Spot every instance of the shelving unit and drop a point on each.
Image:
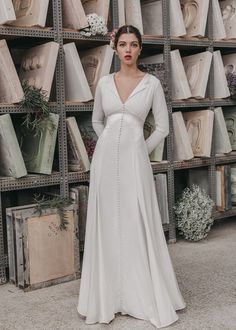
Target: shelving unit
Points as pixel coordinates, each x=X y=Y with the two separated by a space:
x=163 y=44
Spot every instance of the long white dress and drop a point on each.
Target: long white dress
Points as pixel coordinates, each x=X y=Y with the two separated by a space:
x=126 y=263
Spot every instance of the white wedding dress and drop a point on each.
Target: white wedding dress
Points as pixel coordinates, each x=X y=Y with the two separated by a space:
x=126 y=263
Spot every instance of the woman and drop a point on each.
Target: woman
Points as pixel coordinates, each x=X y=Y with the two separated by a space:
x=126 y=263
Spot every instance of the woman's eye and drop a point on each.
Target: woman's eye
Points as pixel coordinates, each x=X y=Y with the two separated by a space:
x=135 y=45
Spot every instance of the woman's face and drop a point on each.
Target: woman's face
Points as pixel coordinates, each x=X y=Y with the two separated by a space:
x=128 y=48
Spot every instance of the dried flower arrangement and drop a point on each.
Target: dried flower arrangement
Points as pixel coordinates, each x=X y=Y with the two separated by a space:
x=231 y=79
x=97 y=25
x=194 y=213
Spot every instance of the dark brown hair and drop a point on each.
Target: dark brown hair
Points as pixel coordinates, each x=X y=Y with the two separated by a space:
x=128 y=29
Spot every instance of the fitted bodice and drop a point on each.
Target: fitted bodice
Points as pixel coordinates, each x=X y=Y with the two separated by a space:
x=148 y=94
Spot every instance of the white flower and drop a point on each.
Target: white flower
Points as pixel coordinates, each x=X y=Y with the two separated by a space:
x=97 y=25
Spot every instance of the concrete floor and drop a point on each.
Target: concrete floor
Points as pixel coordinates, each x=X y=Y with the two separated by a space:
x=206 y=272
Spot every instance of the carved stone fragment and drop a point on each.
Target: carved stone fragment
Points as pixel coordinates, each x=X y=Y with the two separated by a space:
x=197 y=68
x=199 y=125
x=11 y=160
x=38 y=150
x=10 y=86
x=221 y=88
x=101 y=8
x=179 y=82
x=96 y=63
x=218 y=23
x=182 y=149
x=73 y=15
x=230 y=119
x=220 y=135
x=133 y=14
x=7 y=13
x=228 y=10
x=195 y=16
x=152 y=26
x=30 y=12
x=38 y=66
x=76 y=84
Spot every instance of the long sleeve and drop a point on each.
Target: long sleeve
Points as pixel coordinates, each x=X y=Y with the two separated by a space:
x=160 y=113
x=98 y=113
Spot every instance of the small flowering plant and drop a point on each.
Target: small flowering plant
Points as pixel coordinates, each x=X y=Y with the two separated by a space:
x=231 y=79
x=97 y=25
x=194 y=213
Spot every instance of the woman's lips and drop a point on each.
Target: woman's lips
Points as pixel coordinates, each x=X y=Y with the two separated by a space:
x=127 y=57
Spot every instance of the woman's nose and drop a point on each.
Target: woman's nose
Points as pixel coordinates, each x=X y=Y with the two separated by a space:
x=128 y=48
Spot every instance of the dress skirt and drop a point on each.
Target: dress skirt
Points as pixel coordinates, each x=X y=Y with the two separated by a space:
x=126 y=262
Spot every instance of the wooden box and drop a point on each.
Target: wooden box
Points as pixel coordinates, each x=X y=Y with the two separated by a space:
x=40 y=254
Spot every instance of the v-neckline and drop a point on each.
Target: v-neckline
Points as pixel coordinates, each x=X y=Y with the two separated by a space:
x=116 y=89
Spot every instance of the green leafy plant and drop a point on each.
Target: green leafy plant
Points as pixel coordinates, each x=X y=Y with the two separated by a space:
x=35 y=101
x=194 y=213
x=57 y=202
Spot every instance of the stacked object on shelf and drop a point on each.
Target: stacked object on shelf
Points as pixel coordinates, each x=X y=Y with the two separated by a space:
x=197 y=68
x=223 y=187
x=40 y=253
x=153 y=26
x=38 y=66
x=76 y=85
x=73 y=15
x=221 y=139
x=10 y=86
x=182 y=149
x=199 y=125
x=179 y=82
x=133 y=14
x=30 y=13
x=7 y=12
x=96 y=63
x=78 y=157
x=221 y=89
x=79 y=196
x=195 y=16
x=233 y=184
x=218 y=23
x=101 y=8
x=229 y=18
x=11 y=160
x=230 y=119
x=38 y=149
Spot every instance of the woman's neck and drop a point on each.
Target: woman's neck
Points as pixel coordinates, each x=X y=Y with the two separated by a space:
x=128 y=71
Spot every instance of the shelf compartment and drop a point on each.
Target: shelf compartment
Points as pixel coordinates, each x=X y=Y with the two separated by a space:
x=14 y=108
x=160 y=166
x=155 y=40
x=226 y=214
x=27 y=32
x=76 y=177
x=78 y=106
x=29 y=181
x=227 y=158
x=75 y=35
x=195 y=162
x=190 y=41
x=191 y=103
x=230 y=43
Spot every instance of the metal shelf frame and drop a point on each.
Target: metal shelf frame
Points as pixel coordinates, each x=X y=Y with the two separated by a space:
x=63 y=178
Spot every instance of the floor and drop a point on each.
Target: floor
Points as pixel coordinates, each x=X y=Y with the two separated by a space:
x=206 y=272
